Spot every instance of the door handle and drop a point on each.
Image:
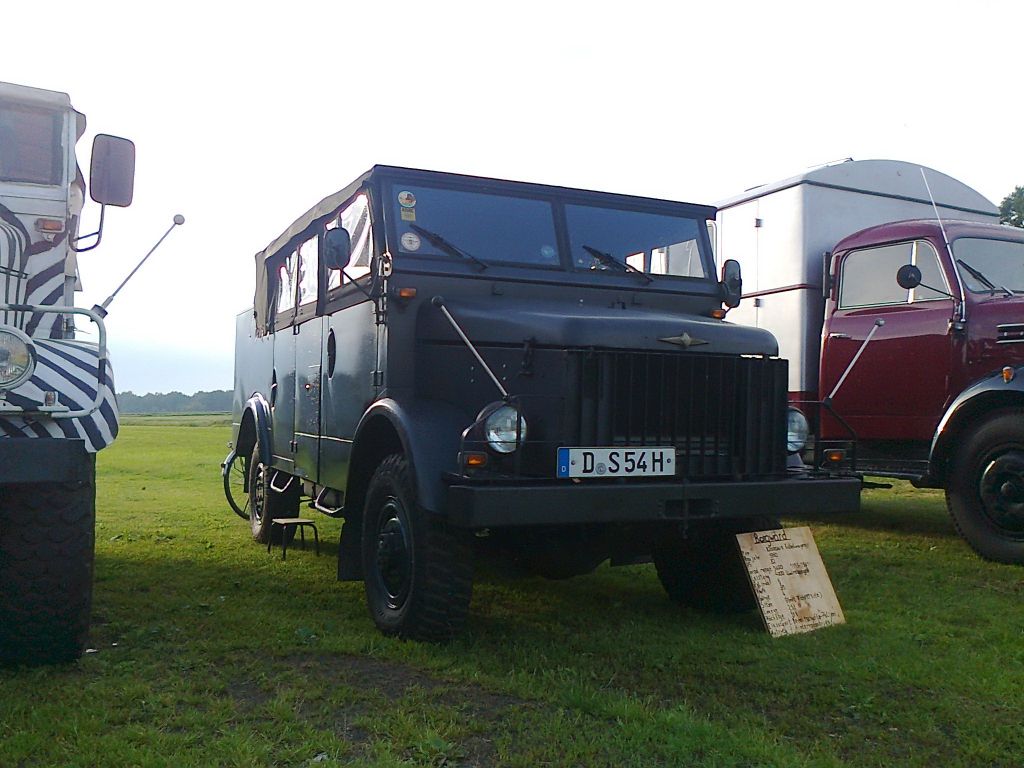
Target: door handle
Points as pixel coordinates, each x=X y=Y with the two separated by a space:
x=839 y=335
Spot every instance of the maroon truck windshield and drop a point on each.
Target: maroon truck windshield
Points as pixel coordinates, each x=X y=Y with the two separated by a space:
x=30 y=145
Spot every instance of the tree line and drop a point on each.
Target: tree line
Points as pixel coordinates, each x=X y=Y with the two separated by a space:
x=216 y=401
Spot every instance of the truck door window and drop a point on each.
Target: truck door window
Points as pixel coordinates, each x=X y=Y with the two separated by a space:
x=307 y=271
x=869 y=275
x=30 y=146
x=286 y=274
x=659 y=244
x=355 y=218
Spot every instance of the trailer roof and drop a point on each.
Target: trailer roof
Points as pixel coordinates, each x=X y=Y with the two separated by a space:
x=885 y=178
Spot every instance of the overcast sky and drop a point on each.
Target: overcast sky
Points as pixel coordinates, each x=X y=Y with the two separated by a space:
x=246 y=114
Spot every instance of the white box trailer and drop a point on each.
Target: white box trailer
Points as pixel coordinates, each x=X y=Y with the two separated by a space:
x=780 y=232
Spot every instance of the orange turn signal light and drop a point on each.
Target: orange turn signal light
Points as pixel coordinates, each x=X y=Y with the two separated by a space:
x=53 y=226
x=1008 y=374
x=407 y=293
x=835 y=455
x=475 y=459
x=718 y=314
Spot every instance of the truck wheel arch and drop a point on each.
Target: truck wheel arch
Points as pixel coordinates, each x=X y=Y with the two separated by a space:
x=426 y=432
x=967 y=410
x=255 y=429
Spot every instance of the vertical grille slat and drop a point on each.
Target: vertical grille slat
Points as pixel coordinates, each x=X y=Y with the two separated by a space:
x=724 y=414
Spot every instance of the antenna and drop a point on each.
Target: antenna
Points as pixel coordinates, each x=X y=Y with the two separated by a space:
x=938 y=218
x=949 y=248
x=101 y=309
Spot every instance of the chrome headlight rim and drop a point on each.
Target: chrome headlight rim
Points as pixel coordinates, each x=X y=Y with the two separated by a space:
x=797 y=430
x=503 y=438
x=30 y=352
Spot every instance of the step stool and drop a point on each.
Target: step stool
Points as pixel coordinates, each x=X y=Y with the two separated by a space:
x=294 y=522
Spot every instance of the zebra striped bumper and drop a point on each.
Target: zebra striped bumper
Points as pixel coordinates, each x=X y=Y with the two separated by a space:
x=70 y=395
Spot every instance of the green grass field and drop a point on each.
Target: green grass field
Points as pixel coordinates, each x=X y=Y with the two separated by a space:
x=208 y=651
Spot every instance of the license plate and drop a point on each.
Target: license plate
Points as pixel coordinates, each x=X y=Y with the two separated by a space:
x=616 y=462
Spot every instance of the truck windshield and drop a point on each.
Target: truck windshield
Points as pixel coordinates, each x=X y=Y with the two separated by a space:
x=654 y=243
x=494 y=229
x=999 y=262
x=30 y=145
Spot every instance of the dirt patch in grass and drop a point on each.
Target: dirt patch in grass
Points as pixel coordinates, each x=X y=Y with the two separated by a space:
x=345 y=695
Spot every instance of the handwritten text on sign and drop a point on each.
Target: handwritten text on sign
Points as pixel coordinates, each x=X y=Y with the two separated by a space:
x=793 y=589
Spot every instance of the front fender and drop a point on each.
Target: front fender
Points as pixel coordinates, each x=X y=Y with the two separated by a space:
x=255 y=429
x=429 y=432
x=984 y=396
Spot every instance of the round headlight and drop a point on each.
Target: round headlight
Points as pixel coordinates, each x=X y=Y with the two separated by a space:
x=500 y=428
x=17 y=359
x=796 y=431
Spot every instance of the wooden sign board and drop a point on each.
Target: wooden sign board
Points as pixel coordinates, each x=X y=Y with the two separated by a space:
x=789 y=579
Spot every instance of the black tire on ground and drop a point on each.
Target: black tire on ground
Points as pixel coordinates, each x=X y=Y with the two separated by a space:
x=704 y=569
x=418 y=572
x=985 y=487
x=266 y=504
x=47 y=544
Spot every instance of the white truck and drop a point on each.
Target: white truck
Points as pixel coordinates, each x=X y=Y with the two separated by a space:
x=57 y=406
x=898 y=299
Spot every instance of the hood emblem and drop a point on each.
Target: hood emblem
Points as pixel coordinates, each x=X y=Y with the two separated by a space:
x=684 y=340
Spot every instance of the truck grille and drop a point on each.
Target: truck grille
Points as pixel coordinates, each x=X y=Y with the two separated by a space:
x=725 y=415
x=1010 y=333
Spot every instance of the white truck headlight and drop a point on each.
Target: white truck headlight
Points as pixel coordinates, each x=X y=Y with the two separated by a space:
x=505 y=429
x=797 y=430
x=17 y=358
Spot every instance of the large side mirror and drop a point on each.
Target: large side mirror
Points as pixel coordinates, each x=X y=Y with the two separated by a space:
x=731 y=287
x=908 y=276
x=112 y=173
x=337 y=248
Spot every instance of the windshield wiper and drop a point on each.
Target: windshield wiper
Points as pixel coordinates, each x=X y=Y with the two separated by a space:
x=608 y=260
x=452 y=250
x=982 y=279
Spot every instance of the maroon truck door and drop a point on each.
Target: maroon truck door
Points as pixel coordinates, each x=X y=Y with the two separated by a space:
x=899 y=387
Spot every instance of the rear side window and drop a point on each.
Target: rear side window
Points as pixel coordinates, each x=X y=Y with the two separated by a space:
x=869 y=275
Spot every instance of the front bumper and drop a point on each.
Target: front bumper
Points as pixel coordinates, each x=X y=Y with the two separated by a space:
x=486 y=506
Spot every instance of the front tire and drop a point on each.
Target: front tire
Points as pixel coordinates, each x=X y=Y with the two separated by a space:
x=704 y=569
x=985 y=488
x=418 y=572
x=47 y=546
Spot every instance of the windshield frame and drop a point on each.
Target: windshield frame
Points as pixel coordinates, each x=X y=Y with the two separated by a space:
x=563 y=271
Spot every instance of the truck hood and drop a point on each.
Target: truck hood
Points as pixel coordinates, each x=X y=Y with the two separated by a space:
x=564 y=324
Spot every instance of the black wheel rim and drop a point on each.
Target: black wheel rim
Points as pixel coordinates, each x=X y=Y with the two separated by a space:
x=1002 y=492
x=394 y=554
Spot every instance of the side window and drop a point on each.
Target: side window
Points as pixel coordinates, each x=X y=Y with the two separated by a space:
x=869 y=275
x=355 y=219
x=286 y=284
x=308 y=271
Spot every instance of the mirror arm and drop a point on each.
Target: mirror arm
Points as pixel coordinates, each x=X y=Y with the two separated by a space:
x=98 y=234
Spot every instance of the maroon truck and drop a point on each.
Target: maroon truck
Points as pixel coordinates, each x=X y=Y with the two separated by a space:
x=899 y=300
